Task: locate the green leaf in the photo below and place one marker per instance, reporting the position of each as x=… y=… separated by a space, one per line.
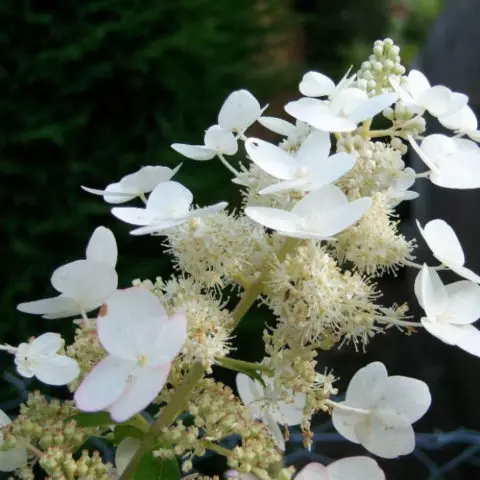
x=124 y=431
x=152 y=468
x=97 y=419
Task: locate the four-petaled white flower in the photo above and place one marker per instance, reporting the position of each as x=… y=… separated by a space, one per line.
x=12 y=458
x=311 y=167
x=239 y=111
x=265 y=404
x=346 y=105
x=378 y=411
x=418 y=95
x=135 y=185
x=454 y=162
x=83 y=284
x=320 y=215
x=399 y=190
x=351 y=468
x=445 y=246
x=463 y=122
x=39 y=358
x=141 y=341
x=167 y=206
x=450 y=310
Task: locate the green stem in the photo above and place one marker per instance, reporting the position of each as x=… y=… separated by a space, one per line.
x=216 y=448
x=236 y=365
x=389 y=132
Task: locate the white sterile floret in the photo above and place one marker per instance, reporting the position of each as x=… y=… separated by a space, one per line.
x=12 y=458
x=462 y=122
x=167 y=206
x=239 y=111
x=378 y=411
x=39 y=358
x=399 y=191
x=445 y=246
x=345 y=108
x=83 y=284
x=311 y=167
x=141 y=341
x=351 y=468
x=320 y=215
x=135 y=185
x=217 y=141
x=268 y=404
x=450 y=310
x=454 y=162
x=418 y=95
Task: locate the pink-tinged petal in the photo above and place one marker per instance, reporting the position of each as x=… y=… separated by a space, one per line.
x=278 y=125
x=220 y=140
x=274 y=430
x=314 y=471
x=271 y=159
x=169 y=340
x=373 y=106
x=102 y=247
x=59 y=370
x=345 y=421
x=355 y=468
x=463 y=302
x=170 y=200
x=145 y=385
x=105 y=384
x=406 y=396
x=85 y=281
x=194 y=152
x=434 y=294
x=130 y=321
x=367 y=385
x=240 y=110
x=386 y=434
x=275 y=218
x=46 y=344
x=51 y=306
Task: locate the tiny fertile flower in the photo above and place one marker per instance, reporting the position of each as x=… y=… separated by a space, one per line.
x=83 y=284
x=265 y=404
x=463 y=122
x=136 y=184
x=39 y=358
x=12 y=458
x=351 y=468
x=320 y=215
x=167 y=206
x=454 y=162
x=445 y=246
x=311 y=167
x=141 y=341
x=378 y=411
x=450 y=310
x=345 y=108
x=418 y=95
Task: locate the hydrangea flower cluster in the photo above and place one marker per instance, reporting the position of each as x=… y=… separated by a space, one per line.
x=315 y=229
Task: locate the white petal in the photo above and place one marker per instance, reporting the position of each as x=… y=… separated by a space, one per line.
x=404 y=96
x=12 y=459
x=299 y=184
x=104 y=384
x=204 y=211
x=148 y=177
x=433 y=293
x=113 y=193
x=134 y=215
x=315 y=471
x=372 y=107
x=125 y=452
x=46 y=344
x=345 y=422
x=274 y=430
x=271 y=159
x=170 y=200
x=314 y=149
x=102 y=246
x=315 y=84
x=332 y=168
x=58 y=370
x=51 y=306
x=4 y=419
x=319 y=201
x=440 y=100
x=194 y=152
x=443 y=242
x=407 y=396
x=463 y=302
x=386 y=434
x=278 y=125
x=354 y=468
x=129 y=322
x=85 y=280
x=367 y=385
x=460 y=172
x=250 y=392
x=427 y=160
x=275 y=218
x=159 y=226
x=465 y=273
x=417 y=83
x=239 y=111
x=466 y=337
x=290 y=413
x=220 y=140
x=141 y=391
x=463 y=119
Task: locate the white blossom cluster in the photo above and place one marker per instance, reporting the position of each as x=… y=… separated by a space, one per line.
x=316 y=226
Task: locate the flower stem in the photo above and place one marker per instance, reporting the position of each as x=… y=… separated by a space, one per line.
x=216 y=448
x=234 y=364
x=346 y=408
x=225 y=162
x=417 y=265
x=397 y=322
x=389 y=132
